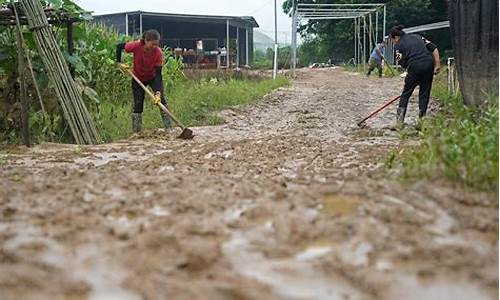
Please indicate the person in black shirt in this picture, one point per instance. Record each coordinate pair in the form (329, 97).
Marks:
(414, 56)
(435, 54)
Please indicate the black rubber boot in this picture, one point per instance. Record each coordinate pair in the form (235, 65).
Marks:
(400, 118)
(165, 118)
(418, 125)
(136, 122)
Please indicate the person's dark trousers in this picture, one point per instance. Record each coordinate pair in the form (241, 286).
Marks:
(419, 73)
(139, 94)
(372, 64)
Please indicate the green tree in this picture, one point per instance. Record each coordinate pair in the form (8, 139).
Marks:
(334, 38)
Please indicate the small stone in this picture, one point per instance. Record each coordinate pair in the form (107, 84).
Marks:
(88, 197)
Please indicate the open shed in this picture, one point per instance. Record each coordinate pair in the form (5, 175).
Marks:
(200, 39)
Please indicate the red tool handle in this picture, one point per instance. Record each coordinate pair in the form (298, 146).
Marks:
(379, 109)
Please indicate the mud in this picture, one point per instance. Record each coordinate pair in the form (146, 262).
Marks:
(288, 199)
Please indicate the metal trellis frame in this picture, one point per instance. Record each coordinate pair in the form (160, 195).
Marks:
(356, 12)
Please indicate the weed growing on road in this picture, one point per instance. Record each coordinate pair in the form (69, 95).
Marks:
(461, 144)
(3, 158)
(360, 69)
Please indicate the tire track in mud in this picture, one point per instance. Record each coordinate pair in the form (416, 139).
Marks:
(287, 200)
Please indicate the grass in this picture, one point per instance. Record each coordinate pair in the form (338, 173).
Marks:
(386, 71)
(460, 144)
(195, 104)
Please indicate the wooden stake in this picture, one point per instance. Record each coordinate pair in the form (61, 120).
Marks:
(21, 78)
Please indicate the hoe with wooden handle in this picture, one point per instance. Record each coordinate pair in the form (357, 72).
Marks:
(187, 133)
(391, 101)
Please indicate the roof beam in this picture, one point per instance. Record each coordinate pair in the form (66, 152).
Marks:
(339, 5)
(427, 27)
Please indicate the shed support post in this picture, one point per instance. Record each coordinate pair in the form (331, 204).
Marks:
(126, 24)
(246, 49)
(227, 45)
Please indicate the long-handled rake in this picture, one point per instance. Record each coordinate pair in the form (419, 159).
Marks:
(187, 133)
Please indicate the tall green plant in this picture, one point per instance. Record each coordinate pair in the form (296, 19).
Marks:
(460, 143)
(94, 62)
(172, 70)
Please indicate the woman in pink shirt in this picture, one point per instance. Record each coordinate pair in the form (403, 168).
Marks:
(148, 62)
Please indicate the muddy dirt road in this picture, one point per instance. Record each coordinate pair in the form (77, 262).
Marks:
(287, 200)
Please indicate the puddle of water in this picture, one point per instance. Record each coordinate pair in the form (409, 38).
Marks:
(234, 213)
(383, 265)
(116, 193)
(88, 196)
(441, 228)
(313, 252)
(443, 223)
(100, 159)
(87, 264)
(356, 254)
(104, 279)
(291, 168)
(291, 278)
(210, 155)
(159, 211)
(410, 288)
(96, 159)
(340, 204)
(166, 169)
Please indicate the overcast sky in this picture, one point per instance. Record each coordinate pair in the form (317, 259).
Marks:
(261, 10)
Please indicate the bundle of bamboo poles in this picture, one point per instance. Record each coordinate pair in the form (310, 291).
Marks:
(74, 110)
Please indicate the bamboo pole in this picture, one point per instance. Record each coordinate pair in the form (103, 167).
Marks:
(21, 78)
(74, 109)
(30, 64)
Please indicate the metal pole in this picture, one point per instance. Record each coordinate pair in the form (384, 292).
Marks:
(385, 13)
(358, 60)
(275, 70)
(355, 50)
(246, 49)
(126, 24)
(370, 32)
(358, 33)
(364, 43)
(227, 44)
(237, 47)
(376, 27)
(358, 38)
(140, 24)
(391, 58)
(294, 37)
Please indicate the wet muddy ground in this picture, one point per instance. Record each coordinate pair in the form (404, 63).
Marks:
(287, 200)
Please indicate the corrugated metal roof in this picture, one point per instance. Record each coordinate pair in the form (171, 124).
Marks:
(245, 19)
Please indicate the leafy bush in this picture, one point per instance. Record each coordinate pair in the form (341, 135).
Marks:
(265, 59)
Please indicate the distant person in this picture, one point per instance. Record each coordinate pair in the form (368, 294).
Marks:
(375, 60)
(415, 57)
(148, 63)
